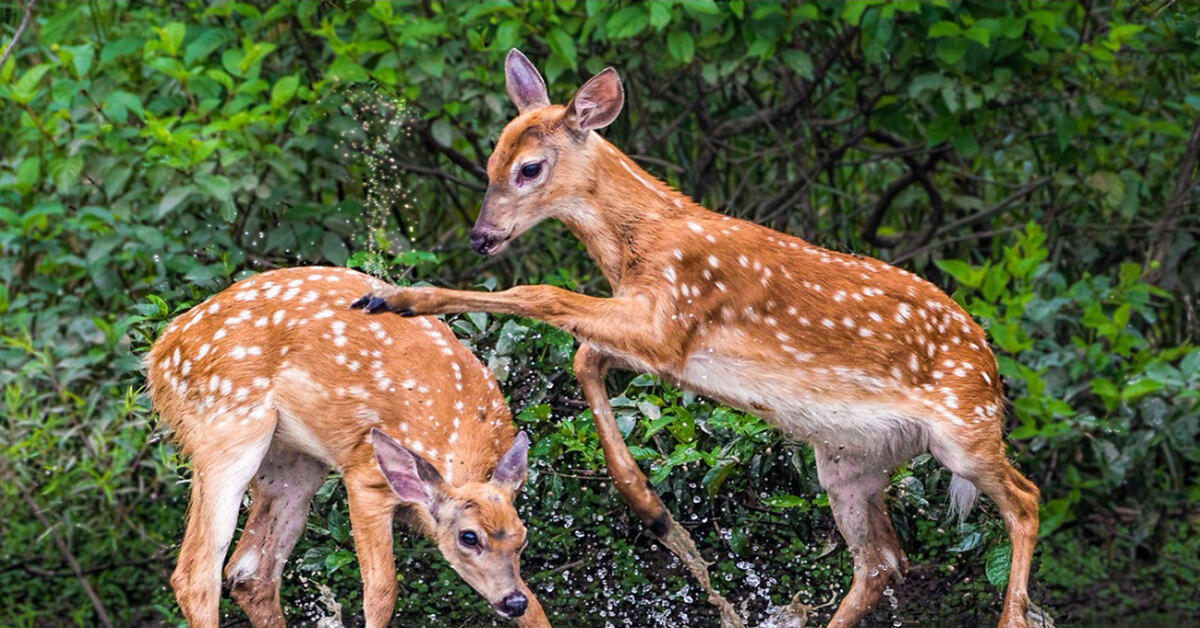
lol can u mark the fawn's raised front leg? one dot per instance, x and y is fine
(628, 325)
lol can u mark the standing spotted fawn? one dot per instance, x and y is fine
(274, 381)
(867, 362)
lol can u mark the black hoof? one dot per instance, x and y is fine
(376, 305)
(361, 302)
(407, 312)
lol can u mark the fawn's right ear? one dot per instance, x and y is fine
(411, 477)
(597, 102)
(524, 83)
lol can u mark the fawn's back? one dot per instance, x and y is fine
(283, 347)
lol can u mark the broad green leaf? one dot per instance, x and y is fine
(563, 45)
(172, 199)
(681, 46)
(951, 50)
(627, 22)
(346, 70)
(944, 29)
(205, 44)
(962, 272)
(284, 90)
(1139, 389)
(660, 15)
(119, 104)
(997, 564)
(26, 87)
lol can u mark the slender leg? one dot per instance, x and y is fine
(281, 494)
(629, 325)
(372, 506)
(630, 482)
(217, 488)
(856, 483)
(1017, 499)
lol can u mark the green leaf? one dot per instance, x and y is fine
(944, 29)
(26, 87)
(205, 44)
(284, 89)
(344, 69)
(119, 104)
(681, 46)
(338, 559)
(28, 174)
(962, 272)
(660, 15)
(951, 51)
(66, 172)
(717, 475)
(701, 7)
(980, 35)
(799, 61)
(442, 132)
(171, 37)
(967, 543)
(627, 22)
(1139, 389)
(433, 62)
(563, 45)
(997, 564)
(172, 199)
(786, 501)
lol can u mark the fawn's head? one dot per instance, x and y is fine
(475, 525)
(540, 167)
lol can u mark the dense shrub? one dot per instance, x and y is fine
(1034, 158)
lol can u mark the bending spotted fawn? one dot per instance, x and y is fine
(867, 362)
(273, 382)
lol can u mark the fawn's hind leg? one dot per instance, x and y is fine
(1016, 497)
(280, 494)
(218, 482)
(856, 484)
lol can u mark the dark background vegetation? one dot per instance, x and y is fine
(1037, 159)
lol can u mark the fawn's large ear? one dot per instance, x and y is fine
(510, 471)
(597, 103)
(524, 83)
(411, 477)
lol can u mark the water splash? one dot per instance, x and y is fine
(382, 122)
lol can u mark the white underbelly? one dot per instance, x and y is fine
(838, 409)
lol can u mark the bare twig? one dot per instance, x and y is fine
(20, 29)
(69, 557)
(1164, 231)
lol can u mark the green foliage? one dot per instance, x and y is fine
(1023, 153)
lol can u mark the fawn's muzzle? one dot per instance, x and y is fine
(513, 605)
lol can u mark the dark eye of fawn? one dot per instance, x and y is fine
(530, 171)
(468, 538)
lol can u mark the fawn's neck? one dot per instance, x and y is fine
(621, 207)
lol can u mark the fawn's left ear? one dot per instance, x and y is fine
(597, 103)
(524, 83)
(412, 477)
(510, 471)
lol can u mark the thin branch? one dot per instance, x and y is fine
(20, 29)
(70, 558)
(737, 126)
(1163, 231)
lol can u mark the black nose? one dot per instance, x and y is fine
(480, 242)
(515, 604)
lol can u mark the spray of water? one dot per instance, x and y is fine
(368, 148)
